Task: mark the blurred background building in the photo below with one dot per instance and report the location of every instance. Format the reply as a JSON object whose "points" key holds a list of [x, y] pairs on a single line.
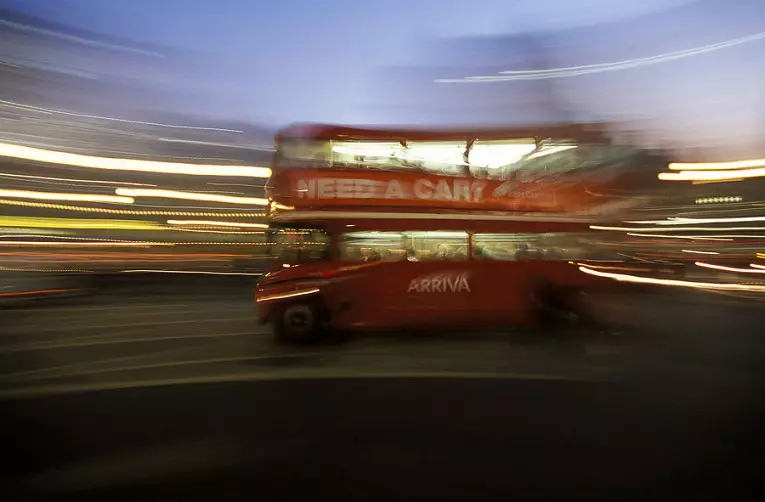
{"points": [[68, 90]]}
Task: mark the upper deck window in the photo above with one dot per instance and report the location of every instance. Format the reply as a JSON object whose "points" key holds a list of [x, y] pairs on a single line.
{"points": [[446, 157], [520, 158]]}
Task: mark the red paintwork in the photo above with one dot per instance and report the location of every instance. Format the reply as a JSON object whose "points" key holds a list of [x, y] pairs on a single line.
{"points": [[378, 295], [359, 189], [375, 295]]}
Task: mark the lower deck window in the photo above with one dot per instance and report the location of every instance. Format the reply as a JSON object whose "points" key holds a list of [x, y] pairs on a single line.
{"points": [[295, 246], [413, 246], [535, 246]]}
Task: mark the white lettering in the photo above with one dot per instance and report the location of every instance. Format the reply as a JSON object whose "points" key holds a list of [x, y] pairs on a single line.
{"points": [[457, 190], [365, 189], [301, 187], [306, 189], [423, 189], [345, 189], [394, 190], [327, 188], [502, 190], [443, 191], [462, 190], [440, 283], [477, 189]]}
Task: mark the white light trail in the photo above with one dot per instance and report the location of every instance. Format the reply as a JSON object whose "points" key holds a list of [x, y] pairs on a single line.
{"points": [[113, 164], [205, 197], [216, 223], [672, 282], [573, 71], [79, 197]]}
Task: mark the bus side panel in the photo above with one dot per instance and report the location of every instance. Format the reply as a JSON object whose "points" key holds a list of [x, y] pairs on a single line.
{"points": [[505, 290], [502, 292], [371, 298], [438, 294]]}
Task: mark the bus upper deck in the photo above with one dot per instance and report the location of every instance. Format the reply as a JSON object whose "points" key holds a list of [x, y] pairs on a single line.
{"points": [[566, 169]]}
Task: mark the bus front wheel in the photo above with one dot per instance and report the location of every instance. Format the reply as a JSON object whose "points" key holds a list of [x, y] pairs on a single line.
{"points": [[299, 323]]}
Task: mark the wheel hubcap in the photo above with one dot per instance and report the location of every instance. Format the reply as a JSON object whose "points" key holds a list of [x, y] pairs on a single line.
{"points": [[298, 320]]}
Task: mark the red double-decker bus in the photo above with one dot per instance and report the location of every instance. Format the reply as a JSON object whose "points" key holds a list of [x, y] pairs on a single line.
{"points": [[407, 229]]}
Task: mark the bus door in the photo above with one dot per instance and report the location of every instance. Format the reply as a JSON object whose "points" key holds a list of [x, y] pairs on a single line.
{"points": [[373, 283], [506, 269]]}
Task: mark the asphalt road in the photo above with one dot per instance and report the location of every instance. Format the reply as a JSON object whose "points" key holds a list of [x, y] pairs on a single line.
{"points": [[155, 392]]}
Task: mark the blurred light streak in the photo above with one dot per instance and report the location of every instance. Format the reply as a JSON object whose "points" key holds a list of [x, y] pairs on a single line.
{"points": [[113, 164], [604, 267], [81, 115], [83, 244], [698, 252], [573, 71], [706, 182], [37, 292], [116, 254], [728, 269], [216, 223], [727, 238], [717, 200], [659, 229], [46, 236], [214, 243], [134, 212], [640, 259], [193, 272], [686, 221], [58, 223], [674, 282], [84, 41], [208, 231], [73, 197], [712, 175], [716, 166], [287, 295], [260, 148], [761, 267], [73, 180], [172, 194], [550, 150], [236, 185], [45, 270]]}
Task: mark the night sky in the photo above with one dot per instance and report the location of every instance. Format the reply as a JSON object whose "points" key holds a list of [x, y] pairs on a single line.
{"points": [[324, 60]]}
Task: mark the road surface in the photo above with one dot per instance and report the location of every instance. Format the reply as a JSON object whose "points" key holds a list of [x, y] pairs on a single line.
{"points": [[149, 392]]}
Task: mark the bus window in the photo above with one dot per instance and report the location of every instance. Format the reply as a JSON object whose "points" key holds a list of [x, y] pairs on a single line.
{"points": [[372, 246], [428, 246], [498, 246], [296, 246], [541, 246], [303, 153]]}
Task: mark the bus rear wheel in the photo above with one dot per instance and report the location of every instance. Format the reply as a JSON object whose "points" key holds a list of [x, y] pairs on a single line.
{"points": [[299, 323], [551, 305]]}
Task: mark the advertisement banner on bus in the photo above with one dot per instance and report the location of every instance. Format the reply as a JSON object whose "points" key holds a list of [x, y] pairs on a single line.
{"points": [[315, 188]]}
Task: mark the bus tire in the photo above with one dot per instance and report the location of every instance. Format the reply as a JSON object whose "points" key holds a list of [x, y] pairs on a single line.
{"points": [[300, 323], [546, 301]]}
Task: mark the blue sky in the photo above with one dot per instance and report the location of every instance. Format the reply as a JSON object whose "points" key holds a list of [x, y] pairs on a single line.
{"points": [[325, 60]]}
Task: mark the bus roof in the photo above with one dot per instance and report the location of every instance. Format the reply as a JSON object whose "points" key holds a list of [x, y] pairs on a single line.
{"points": [[327, 132]]}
